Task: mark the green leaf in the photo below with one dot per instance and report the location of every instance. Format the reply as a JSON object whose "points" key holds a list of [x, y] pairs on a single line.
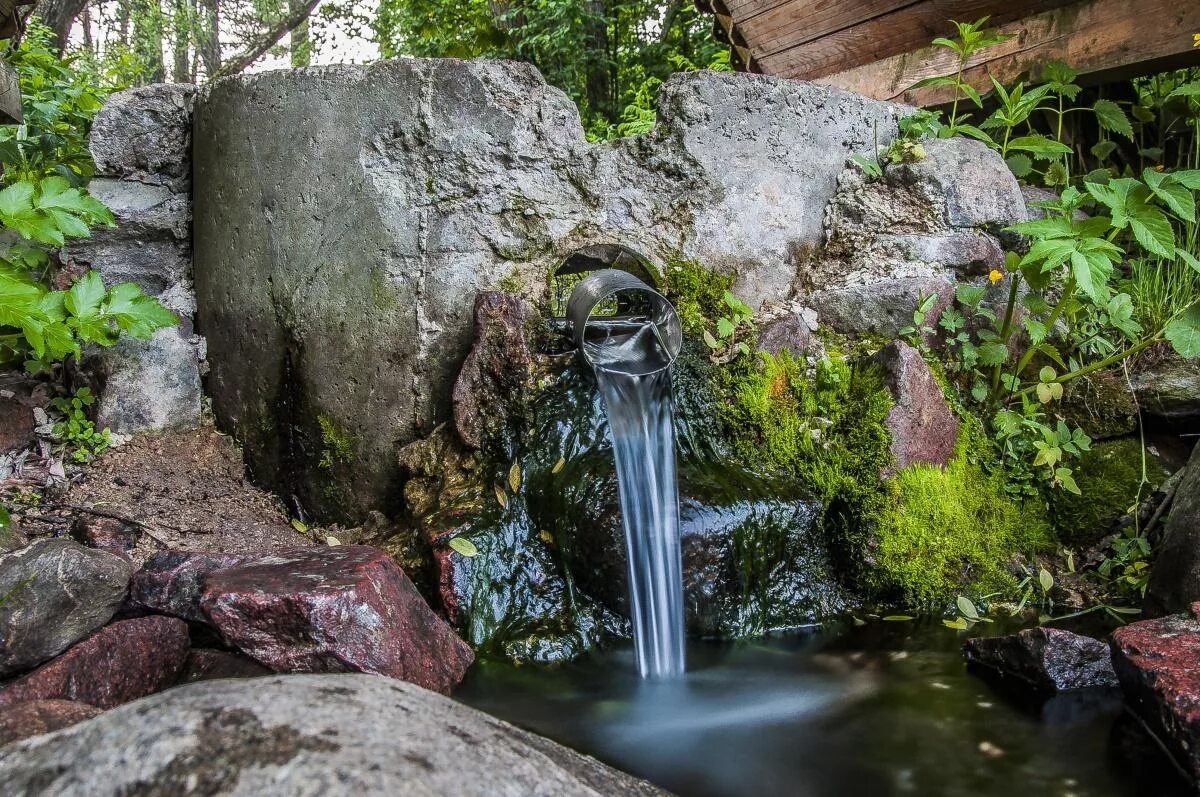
{"points": [[84, 298], [897, 618], [1039, 146], [1175, 195], [1020, 165], [1045, 579], [1112, 118], [1152, 230], [463, 546], [1184, 333], [967, 608], [710, 341], [17, 199], [958, 623], [724, 327], [993, 353], [1102, 149], [1047, 374], [1191, 89], [969, 295]]}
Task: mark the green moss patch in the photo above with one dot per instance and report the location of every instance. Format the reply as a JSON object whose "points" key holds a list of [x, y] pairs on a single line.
{"points": [[697, 292], [1108, 476]]}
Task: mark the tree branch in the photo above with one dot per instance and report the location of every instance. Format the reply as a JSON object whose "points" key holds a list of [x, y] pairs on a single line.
{"points": [[265, 42]]}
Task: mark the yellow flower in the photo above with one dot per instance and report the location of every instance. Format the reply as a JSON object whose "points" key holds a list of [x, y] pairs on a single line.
{"points": [[995, 276], [1196, 39]]}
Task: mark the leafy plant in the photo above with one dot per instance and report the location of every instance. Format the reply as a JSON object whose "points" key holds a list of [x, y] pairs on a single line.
{"points": [[75, 432], [971, 38], [732, 331]]}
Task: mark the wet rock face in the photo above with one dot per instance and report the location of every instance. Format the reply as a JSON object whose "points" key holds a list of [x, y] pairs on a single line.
{"points": [[54, 593], [141, 144], [924, 429], [1158, 663], [347, 608], [339, 264], [1043, 660], [120, 662], [1169, 389], [303, 734], [36, 717], [1175, 580], [207, 664], [171, 582]]}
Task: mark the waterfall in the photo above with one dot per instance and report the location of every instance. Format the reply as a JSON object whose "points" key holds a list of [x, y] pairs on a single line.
{"points": [[632, 365]]}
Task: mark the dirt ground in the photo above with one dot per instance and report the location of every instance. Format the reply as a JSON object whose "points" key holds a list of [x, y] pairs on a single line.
{"points": [[186, 491]]}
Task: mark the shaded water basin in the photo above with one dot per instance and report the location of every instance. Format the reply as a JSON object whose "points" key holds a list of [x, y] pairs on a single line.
{"points": [[885, 709]]}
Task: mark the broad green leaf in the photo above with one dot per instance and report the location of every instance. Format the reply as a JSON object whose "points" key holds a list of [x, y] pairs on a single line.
{"points": [[1152, 230], [463, 546], [17, 199], [1112, 118], [1039, 146], [1020, 165], [1102, 149], [1046, 374], [84, 297], [1175, 195], [969, 295], [897, 618], [1188, 259], [1045, 579], [958, 623], [1184, 333], [967, 608], [724, 327], [1191, 89], [710, 341], [993, 353]]}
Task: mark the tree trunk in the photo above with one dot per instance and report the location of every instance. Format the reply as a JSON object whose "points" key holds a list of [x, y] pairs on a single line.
{"points": [[266, 41], [181, 66], [148, 38], [208, 36], [59, 17], [301, 42], [598, 79]]}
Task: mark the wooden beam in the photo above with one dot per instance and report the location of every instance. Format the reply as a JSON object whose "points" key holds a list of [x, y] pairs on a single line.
{"points": [[1096, 37], [793, 52], [10, 95]]}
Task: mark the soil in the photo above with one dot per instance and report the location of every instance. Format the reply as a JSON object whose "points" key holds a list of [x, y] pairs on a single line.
{"points": [[184, 490]]}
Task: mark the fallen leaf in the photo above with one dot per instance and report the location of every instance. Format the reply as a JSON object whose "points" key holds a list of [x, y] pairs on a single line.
{"points": [[463, 546], [501, 497], [558, 465], [332, 541], [514, 477], [299, 525]]}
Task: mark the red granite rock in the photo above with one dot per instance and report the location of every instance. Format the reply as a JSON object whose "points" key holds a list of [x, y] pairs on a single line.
{"points": [[41, 716], [171, 582], [120, 662], [345, 608], [924, 429], [207, 664], [1158, 663], [105, 534]]}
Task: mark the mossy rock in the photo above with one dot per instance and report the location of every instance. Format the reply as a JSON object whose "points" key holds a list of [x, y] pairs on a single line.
{"points": [[1101, 404], [1109, 477]]}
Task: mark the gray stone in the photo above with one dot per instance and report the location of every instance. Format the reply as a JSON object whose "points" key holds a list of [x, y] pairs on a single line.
{"points": [[1169, 388], [967, 252], [54, 593], [1044, 660], [1175, 578], [882, 307], [151, 385], [336, 265], [303, 735], [792, 332], [144, 210], [144, 134], [970, 182]]}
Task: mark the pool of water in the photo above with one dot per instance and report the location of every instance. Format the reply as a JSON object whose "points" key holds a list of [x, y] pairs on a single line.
{"points": [[887, 708]]}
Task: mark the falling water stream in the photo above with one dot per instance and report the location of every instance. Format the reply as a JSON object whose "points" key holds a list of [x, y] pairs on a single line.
{"points": [[633, 370]]}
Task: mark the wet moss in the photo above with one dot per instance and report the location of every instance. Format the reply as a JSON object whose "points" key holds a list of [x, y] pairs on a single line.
{"points": [[337, 445], [383, 295], [953, 529], [697, 292], [1108, 477]]}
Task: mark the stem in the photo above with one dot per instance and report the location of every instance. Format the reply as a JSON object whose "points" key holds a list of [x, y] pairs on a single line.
{"points": [[1005, 334], [1068, 292], [1100, 365]]}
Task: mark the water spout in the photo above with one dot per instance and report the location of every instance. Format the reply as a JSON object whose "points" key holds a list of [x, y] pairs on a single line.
{"points": [[630, 335]]}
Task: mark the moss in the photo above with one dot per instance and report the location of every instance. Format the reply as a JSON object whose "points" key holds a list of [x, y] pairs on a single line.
{"points": [[697, 292], [953, 529], [512, 282], [337, 446], [1108, 477], [383, 296]]}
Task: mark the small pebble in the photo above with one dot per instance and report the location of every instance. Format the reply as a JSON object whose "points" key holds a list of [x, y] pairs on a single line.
{"points": [[990, 750]]}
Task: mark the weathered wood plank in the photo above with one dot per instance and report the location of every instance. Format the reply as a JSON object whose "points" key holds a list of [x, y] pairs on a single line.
{"points": [[882, 36], [10, 95], [795, 23], [1097, 36]]}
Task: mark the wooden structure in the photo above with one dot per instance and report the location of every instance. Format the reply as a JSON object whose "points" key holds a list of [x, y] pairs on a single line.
{"points": [[880, 47], [12, 18]]}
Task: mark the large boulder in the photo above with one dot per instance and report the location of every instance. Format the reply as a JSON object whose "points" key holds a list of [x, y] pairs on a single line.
{"points": [[52, 594], [304, 734], [141, 144], [336, 266], [172, 582], [1158, 663], [1175, 578], [1043, 660], [347, 608], [120, 662]]}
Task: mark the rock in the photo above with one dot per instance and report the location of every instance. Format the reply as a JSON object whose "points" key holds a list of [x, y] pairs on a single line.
{"points": [[144, 134], [151, 385], [206, 664], [882, 307], [496, 370], [336, 609], [105, 534], [315, 285], [792, 332], [36, 717], [1169, 389], [753, 561], [923, 428], [1175, 577], [141, 143], [303, 734], [11, 538], [1044, 660], [971, 183], [120, 662], [171, 582], [54, 592], [967, 252], [1158, 663], [18, 397]]}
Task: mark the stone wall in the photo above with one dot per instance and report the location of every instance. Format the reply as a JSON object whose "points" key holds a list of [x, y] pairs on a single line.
{"points": [[346, 216], [141, 144]]}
